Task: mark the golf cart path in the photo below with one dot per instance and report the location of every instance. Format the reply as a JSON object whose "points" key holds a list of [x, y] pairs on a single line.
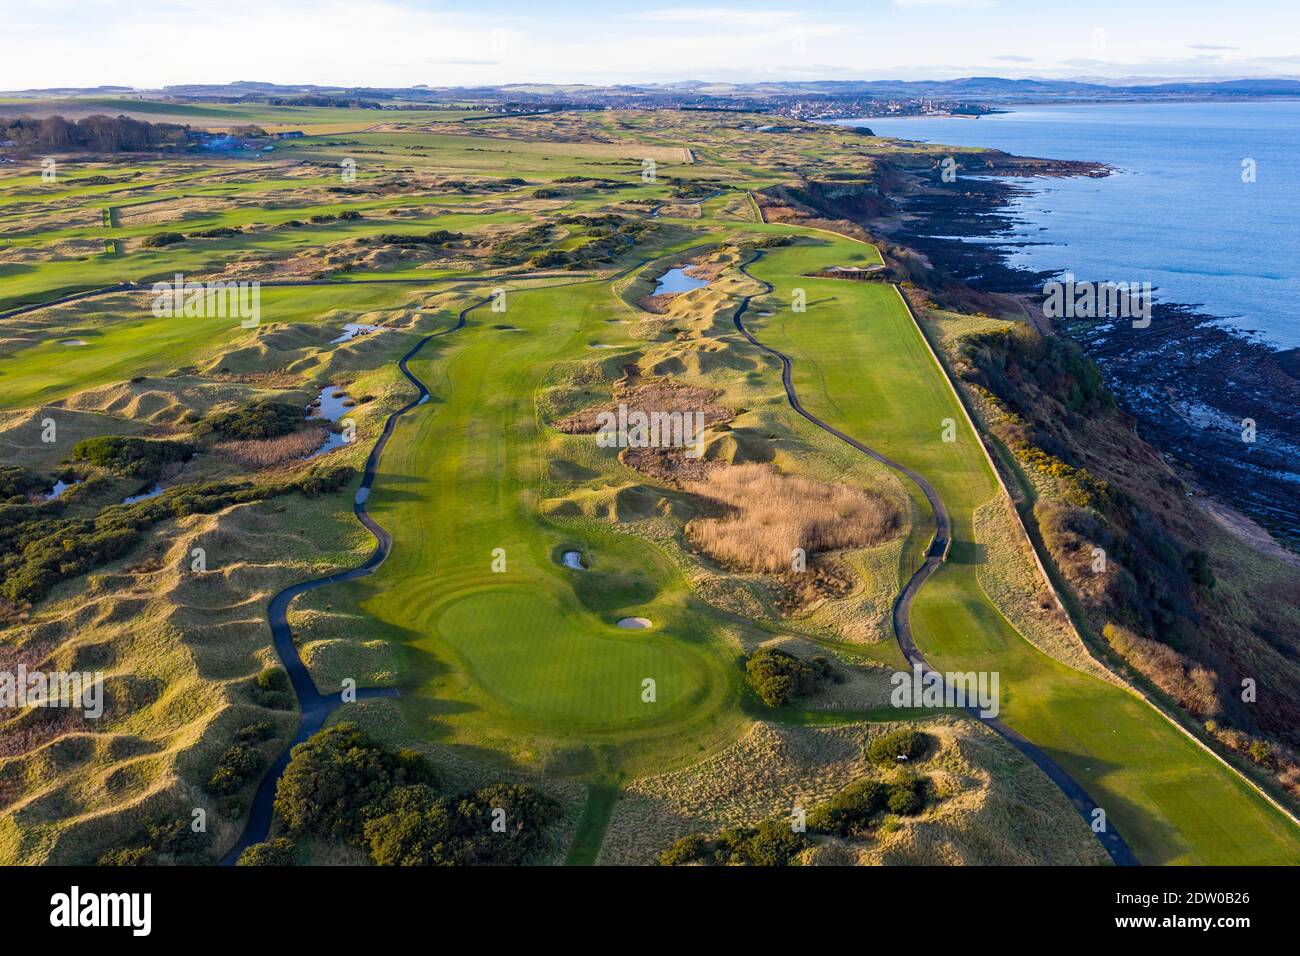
{"points": [[316, 707], [1110, 839]]}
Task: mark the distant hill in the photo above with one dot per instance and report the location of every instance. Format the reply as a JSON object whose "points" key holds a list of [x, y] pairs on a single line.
{"points": [[987, 88]]}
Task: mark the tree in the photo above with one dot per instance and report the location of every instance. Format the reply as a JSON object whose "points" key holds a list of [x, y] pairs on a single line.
{"points": [[278, 852], [340, 778]]}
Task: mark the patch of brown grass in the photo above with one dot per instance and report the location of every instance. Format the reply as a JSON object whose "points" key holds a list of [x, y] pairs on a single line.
{"points": [[768, 514], [649, 395], [268, 452]]}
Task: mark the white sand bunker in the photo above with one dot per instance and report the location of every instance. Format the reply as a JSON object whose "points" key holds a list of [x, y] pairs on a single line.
{"points": [[573, 559], [634, 623]]}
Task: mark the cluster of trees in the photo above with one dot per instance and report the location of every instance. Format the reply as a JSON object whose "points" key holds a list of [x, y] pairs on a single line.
{"points": [[780, 678], [36, 552], [260, 418], [17, 483], [344, 785], [852, 811], [129, 457], [171, 840], [273, 689], [771, 843], [101, 134], [238, 765]]}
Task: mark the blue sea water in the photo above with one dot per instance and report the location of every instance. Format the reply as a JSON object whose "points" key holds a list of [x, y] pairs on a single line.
{"points": [[1176, 213]]}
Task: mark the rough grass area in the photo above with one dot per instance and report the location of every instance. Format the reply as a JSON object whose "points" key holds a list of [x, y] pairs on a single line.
{"points": [[992, 806], [768, 515], [1013, 582], [179, 652]]}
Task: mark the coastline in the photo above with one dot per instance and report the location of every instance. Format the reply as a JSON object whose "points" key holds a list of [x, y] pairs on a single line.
{"points": [[1190, 381]]}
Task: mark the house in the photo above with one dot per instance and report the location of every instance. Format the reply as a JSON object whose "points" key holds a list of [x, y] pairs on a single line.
{"points": [[288, 134]]}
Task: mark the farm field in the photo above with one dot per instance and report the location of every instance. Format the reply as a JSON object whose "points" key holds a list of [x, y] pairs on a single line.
{"points": [[446, 305]]}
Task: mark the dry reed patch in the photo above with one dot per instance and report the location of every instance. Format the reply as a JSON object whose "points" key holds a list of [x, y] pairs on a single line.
{"points": [[268, 452], [649, 396], [767, 514]]}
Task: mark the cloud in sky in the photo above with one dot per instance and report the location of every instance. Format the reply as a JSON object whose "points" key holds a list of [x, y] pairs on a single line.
{"points": [[152, 43]]}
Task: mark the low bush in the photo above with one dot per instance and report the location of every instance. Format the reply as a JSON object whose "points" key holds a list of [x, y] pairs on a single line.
{"points": [[899, 745], [278, 852], [160, 239], [779, 678]]}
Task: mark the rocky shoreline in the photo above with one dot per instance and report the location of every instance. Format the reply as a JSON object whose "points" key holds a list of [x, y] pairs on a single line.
{"points": [[1193, 383]]}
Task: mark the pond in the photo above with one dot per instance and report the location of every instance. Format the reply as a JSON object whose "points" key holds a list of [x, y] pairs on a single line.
{"points": [[353, 329], [676, 280]]}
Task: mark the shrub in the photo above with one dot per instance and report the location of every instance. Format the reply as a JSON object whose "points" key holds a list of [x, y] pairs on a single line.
{"points": [[261, 418], [779, 678], [16, 482], [278, 852], [689, 849], [254, 733], [851, 810], [219, 232], [907, 798], [771, 843], [340, 778], [176, 838], [237, 765], [905, 743], [418, 828], [130, 457], [273, 689], [437, 237], [127, 856], [1191, 684], [160, 239]]}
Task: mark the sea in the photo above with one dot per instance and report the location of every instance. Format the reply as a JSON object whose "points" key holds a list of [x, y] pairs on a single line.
{"points": [[1204, 202]]}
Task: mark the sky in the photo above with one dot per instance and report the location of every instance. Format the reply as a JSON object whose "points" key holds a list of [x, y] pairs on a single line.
{"points": [[153, 43]]}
